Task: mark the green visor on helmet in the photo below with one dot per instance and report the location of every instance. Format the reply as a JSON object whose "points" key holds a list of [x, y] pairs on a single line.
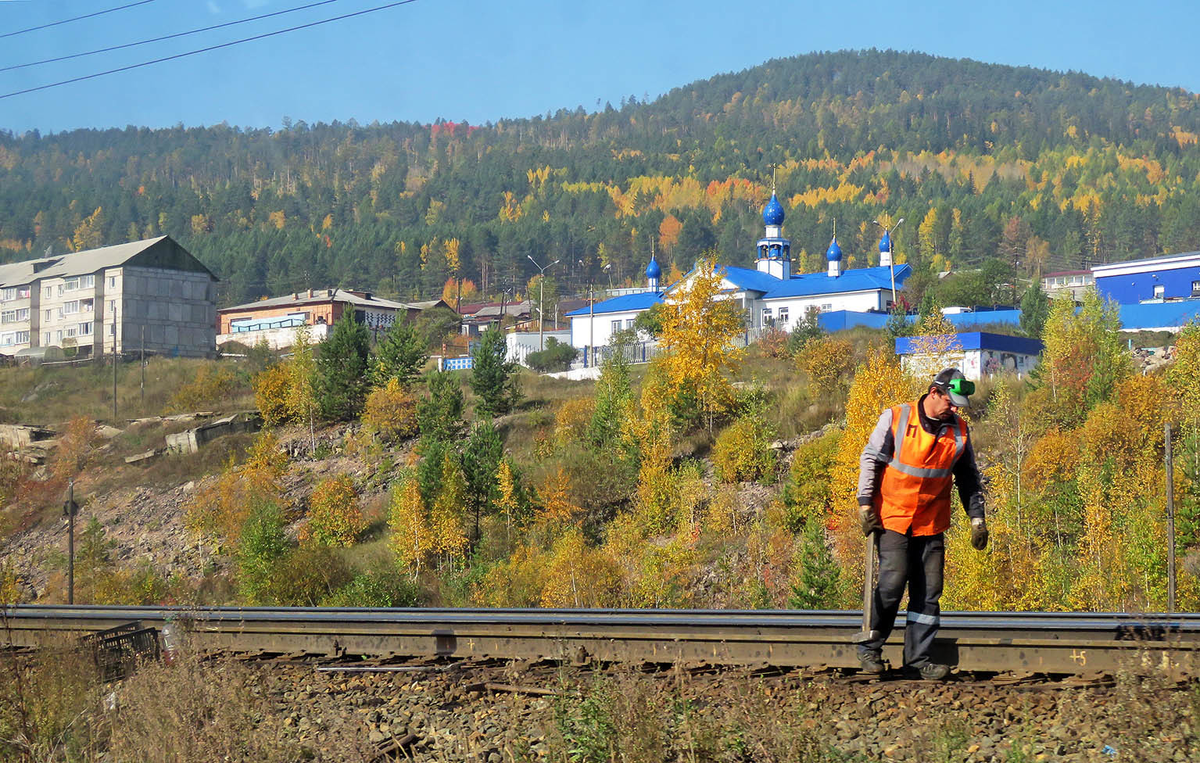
{"points": [[956, 386], [964, 387]]}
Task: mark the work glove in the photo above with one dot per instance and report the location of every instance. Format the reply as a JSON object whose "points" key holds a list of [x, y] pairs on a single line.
{"points": [[979, 533], [868, 519]]}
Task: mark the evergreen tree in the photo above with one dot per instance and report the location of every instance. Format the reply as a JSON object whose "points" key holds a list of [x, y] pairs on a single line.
{"points": [[342, 370], [818, 583], [480, 461], [493, 377], [440, 413], [399, 356], [1035, 309], [614, 393]]}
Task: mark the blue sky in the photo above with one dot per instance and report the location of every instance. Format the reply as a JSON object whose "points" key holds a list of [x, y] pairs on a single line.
{"points": [[481, 61]]}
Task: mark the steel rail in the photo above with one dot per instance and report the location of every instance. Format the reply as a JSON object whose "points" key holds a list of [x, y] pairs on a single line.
{"points": [[1047, 642]]}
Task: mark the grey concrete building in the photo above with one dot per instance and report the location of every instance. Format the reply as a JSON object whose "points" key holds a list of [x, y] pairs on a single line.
{"points": [[114, 298]]}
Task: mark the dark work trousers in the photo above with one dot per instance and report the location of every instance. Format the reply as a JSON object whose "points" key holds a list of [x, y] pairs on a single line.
{"points": [[917, 561]]}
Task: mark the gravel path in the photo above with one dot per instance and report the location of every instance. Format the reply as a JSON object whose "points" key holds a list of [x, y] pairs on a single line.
{"points": [[454, 715]]}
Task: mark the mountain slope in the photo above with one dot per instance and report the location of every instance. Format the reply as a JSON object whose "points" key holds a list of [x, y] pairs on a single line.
{"points": [[1042, 169]]}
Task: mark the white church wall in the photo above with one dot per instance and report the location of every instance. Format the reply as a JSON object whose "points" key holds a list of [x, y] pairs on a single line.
{"points": [[797, 307], [597, 330]]}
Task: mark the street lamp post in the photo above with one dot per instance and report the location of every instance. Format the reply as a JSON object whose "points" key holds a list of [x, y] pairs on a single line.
{"points": [[541, 292], [891, 257]]}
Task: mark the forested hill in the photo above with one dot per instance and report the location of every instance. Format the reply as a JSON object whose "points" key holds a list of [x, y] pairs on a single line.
{"points": [[1041, 169]]}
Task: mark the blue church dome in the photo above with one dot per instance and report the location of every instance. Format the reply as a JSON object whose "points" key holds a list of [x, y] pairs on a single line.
{"points": [[885, 244], [834, 253], [653, 270], [773, 212]]}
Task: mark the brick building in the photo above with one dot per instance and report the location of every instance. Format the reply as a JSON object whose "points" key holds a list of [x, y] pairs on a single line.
{"points": [[276, 319]]}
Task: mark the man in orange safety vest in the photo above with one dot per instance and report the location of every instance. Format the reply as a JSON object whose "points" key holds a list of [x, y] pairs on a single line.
{"points": [[905, 473]]}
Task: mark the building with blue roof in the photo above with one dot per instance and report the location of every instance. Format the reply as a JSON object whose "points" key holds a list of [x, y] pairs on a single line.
{"points": [[769, 293], [978, 354], [1157, 279]]}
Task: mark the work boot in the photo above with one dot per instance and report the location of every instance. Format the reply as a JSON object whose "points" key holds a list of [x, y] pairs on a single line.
{"points": [[871, 662], [930, 671]]}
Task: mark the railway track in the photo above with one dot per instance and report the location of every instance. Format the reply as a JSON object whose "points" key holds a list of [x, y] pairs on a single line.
{"points": [[988, 642]]}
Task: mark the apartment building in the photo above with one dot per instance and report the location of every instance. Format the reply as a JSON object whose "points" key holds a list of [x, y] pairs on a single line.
{"points": [[151, 294]]}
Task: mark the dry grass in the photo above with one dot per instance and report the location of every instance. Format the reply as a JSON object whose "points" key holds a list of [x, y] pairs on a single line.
{"points": [[47, 703], [635, 718], [192, 710], [48, 396]]}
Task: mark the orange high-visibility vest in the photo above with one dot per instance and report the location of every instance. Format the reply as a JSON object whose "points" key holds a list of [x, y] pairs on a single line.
{"points": [[915, 491]]}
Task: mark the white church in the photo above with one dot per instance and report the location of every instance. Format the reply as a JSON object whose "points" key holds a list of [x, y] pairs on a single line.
{"points": [[769, 295]]}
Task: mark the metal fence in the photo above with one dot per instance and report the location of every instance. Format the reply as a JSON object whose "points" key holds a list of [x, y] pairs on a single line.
{"points": [[641, 352]]}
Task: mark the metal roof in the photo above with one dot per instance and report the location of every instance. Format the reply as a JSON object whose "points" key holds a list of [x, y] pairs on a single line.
{"points": [[84, 263], [622, 304], [745, 278], [858, 279], [978, 340], [321, 296]]}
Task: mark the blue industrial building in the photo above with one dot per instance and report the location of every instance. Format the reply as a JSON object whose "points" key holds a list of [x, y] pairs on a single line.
{"points": [[1158, 279]]}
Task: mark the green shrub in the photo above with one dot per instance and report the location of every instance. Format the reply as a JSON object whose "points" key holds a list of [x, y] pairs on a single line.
{"points": [[334, 516], [557, 356], [390, 413], [807, 494], [380, 586], [262, 543], [743, 451], [307, 576]]}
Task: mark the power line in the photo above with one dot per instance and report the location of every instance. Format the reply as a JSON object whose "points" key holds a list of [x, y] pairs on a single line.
{"points": [[164, 37], [75, 18], [204, 50]]}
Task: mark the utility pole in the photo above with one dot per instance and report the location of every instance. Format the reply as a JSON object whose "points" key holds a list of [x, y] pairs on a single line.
{"points": [[69, 509], [541, 303], [143, 364], [1170, 468], [114, 360]]}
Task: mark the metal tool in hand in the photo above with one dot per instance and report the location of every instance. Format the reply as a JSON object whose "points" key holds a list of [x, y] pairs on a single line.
{"points": [[868, 593]]}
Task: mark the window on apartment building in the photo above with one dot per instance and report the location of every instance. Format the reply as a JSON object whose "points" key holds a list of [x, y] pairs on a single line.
{"points": [[47, 315], [87, 282], [69, 284], [70, 308], [14, 316], [112, 329], [85, 329], [783, 315], [45, 337], [86, 305], [112, 307], [1160, 291], [49, 291], [8, 339], [8, 295], [58, 336], [71, 332], [22, 337], [112, 282]]}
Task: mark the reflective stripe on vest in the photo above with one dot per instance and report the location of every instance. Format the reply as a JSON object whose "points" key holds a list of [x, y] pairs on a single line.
{"points": [[917, 471], [914, 494]]}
